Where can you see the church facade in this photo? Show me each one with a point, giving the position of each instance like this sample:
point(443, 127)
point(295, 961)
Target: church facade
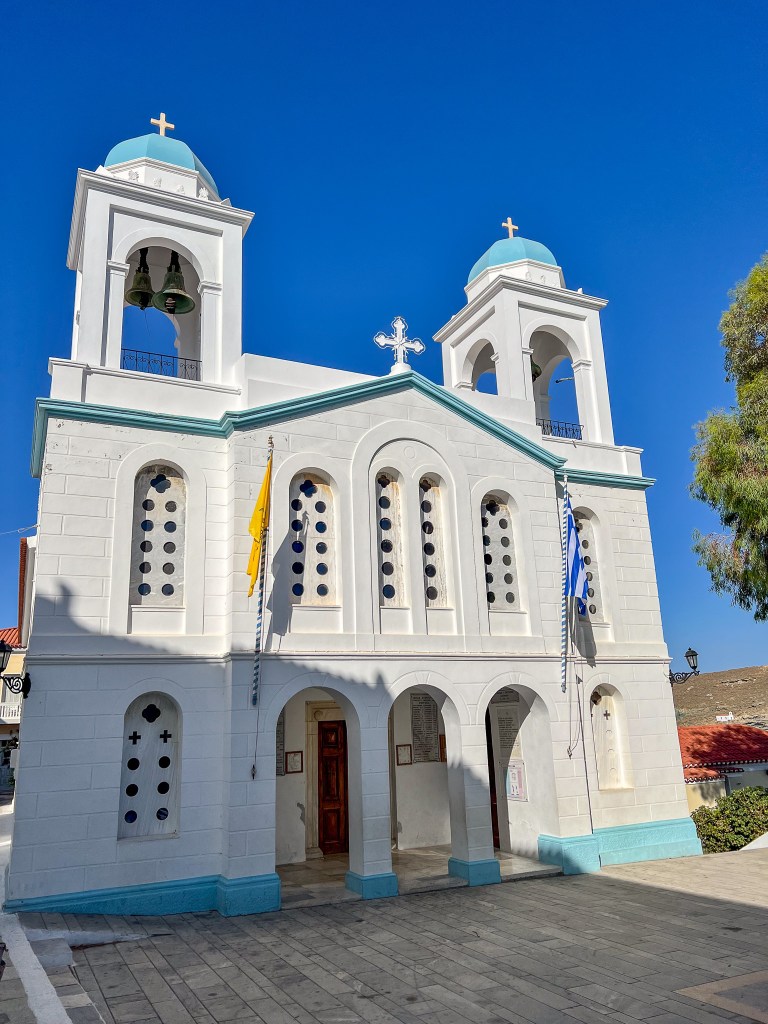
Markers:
point(408, 693)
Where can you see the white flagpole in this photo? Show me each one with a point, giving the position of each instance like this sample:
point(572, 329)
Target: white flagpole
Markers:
point(563, 599)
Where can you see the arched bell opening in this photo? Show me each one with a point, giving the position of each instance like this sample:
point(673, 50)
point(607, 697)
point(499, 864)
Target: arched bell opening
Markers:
point(161, 317)
point(483, 371)
point(554, 389)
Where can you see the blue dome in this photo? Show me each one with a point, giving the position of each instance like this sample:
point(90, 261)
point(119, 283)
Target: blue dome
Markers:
point(163, 148)
point(508, 250)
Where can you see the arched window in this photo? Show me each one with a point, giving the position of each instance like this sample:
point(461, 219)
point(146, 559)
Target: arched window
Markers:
point(389, 537)
point(501, 584)
point(586, 530)
point(433, 543)
point(313, 543)
point(158, 538)
point(149, 777)
point(609, 739)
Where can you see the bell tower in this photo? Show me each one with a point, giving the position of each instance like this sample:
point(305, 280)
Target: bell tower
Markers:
point(149, 229)
point(520, 324)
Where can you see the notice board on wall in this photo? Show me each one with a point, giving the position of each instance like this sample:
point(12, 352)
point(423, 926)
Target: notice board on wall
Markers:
point(425, 728)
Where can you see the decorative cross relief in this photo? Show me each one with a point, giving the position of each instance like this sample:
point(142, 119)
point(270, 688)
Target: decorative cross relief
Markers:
point(400, 343)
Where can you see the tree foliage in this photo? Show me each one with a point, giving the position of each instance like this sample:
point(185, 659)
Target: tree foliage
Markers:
point(731, 455)
point(734, 821)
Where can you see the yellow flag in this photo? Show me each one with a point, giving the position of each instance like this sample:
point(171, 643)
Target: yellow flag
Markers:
point(259, 524)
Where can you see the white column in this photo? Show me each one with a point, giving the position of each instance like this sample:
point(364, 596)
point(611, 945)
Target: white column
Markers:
point(586, 399)
point(210, 332)
point(370, 842)
point(472, 855)
point(117, 274)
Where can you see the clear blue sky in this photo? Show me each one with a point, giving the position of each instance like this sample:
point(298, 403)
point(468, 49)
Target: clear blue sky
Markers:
point(381, 145)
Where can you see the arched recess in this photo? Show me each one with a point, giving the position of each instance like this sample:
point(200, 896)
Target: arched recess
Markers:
point(480, 359)
point(188, 618)
point(518, 734)
point(150, 776)
point(592, 547)
point(428, 788)
point(317, 786)
point(610, 737)
point(387, 447)
point(527, 615)
point(310, 612)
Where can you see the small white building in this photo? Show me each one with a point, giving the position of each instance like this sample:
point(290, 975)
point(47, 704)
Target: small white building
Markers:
point(409, 690)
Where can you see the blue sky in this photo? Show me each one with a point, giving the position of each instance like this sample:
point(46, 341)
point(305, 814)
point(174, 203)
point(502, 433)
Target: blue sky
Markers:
point(380, 147)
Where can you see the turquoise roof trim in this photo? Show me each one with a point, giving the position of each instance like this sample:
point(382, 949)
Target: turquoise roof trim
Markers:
point(306, 405)
point(163, 148)
point(509, 250)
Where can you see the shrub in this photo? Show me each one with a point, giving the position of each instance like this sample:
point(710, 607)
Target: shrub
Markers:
point(734, 821)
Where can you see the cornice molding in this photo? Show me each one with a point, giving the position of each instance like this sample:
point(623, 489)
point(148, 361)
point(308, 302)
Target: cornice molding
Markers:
point(311, 405)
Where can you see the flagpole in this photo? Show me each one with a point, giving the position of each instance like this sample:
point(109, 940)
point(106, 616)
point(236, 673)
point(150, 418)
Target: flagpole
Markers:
point(563, 599)
point(256, 681)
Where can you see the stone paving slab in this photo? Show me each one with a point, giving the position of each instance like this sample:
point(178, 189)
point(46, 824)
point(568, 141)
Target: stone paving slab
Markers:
point(673, 942)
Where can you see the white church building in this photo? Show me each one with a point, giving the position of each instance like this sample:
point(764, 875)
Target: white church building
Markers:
point(409, 687)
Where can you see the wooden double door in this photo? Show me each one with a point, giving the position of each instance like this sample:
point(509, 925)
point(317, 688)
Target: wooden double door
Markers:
point(332, 811)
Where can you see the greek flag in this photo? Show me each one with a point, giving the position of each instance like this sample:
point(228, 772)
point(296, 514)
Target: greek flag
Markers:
point(576, 583)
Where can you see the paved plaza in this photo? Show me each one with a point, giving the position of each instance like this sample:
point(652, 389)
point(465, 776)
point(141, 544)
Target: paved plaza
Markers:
point(672, 941)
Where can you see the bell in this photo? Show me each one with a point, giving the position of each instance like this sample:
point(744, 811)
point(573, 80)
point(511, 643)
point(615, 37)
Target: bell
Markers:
point(172, 298)
point(141, 291)
point(535, 371)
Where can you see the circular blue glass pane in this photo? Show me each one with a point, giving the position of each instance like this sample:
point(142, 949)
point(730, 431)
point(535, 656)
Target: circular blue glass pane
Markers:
point(298, 567)
point(388, 590)
point(320, 507)
point(170, 527)
point(147, 525)
point(322, 568)
point(384, 501)
point(296, 525)
point(321, 527)
point(297, 546)
point(131, 816)
point(385, 524)
point(387, 568)
point(144, 589)
point(322, 590)
point(296, 504)
point(162, 813)
point(297, 589)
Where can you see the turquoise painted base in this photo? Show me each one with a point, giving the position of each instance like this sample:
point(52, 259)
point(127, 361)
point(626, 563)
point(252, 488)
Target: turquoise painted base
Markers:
point(623, 844)
point(652, 840)
point(230, 896)
point(575, 855)
point(475, 872)
point(372, 887)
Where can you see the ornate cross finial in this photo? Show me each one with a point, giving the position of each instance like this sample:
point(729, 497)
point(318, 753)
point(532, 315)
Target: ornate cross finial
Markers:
point(162, 124)
point(401, 344)
point(511, 228)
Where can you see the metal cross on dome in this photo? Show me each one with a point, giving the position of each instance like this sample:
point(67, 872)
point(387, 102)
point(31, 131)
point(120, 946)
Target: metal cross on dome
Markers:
point(400, 343)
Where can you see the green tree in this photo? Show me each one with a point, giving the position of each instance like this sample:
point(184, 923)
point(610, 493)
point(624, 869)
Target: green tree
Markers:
point(731, 456)
point(734, 821)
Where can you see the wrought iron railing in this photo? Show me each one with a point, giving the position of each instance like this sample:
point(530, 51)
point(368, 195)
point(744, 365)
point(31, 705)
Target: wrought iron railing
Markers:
point(165, 366)
point(559, 428)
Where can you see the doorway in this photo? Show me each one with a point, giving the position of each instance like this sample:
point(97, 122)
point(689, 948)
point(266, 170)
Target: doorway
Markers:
point(332, 809)
point(492, 780)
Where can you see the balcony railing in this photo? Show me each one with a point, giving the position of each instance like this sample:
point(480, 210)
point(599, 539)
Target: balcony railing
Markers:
point(154, 362)
point(559, 428)
point(10, 712)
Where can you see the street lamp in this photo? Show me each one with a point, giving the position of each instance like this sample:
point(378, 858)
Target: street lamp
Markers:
point(692, 658)
point(16, 684)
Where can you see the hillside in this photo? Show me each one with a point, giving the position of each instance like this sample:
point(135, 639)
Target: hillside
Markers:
point(744, 691)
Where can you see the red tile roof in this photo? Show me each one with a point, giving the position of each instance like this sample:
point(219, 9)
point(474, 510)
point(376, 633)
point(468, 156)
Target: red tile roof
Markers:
point(11, 635)
point(708, 749)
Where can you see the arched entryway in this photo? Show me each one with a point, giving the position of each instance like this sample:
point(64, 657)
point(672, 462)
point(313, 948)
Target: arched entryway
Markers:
point(318, 801)
point(522, 793)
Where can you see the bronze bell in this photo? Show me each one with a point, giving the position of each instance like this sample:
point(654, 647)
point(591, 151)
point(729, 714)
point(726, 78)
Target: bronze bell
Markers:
point(141, 291)
point(172, 298)
point(535, 370)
